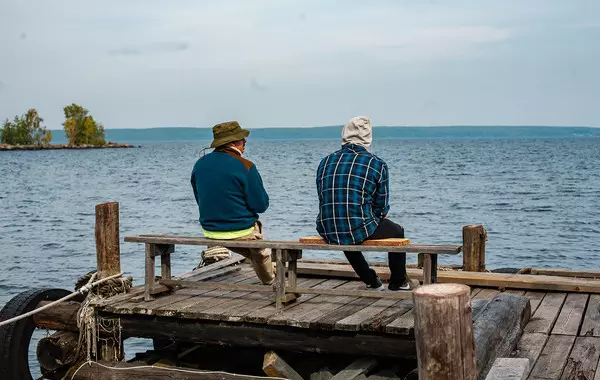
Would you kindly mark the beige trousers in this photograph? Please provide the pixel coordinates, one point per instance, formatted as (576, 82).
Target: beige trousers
(260, 258)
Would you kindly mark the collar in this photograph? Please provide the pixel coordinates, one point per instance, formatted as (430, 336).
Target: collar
(354, 147)
(230, 149)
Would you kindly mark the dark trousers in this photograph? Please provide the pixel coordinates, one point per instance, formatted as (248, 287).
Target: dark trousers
(396, 261)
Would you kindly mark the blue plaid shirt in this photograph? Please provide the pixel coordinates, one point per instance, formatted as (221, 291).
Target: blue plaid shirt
(353, 189)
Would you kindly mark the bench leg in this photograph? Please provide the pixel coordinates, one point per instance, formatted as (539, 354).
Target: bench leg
(165, 251)
(429, 269)
(279, 280)
(150, 263)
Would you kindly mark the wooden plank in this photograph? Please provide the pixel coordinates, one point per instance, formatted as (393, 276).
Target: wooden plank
(535, 298)
(235, 300)
(571, 314)
(495, 280)
(530, 346)
(515, 291)
(486, 294)
(146, 307)
(566, 272)
(356, 369)
(583, 359)
(475, 291)
(447, 249)
(403, 325)
(544, 317)
(391, 242)
(329, 320)
(317, 308)
(233, 260)
(322, 374)
(275, 366)
(366, 316)
(553, 358)
(591, 321)
(239, 313)
(509, 369)
(264, 314)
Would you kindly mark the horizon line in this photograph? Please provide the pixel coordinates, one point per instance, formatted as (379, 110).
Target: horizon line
(375, 126)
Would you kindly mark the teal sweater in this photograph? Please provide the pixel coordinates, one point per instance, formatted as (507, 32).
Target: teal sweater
(228, 190)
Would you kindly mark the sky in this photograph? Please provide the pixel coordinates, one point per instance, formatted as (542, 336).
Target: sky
(268, 63)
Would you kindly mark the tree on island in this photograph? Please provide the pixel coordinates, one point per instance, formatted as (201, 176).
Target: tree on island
(81, 128)
(25, 130)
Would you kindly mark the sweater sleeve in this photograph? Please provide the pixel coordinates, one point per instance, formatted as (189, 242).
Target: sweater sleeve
(256, 195)
(193, 181)
(381, 198)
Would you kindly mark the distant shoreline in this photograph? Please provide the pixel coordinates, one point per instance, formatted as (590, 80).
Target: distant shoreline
(6, 147)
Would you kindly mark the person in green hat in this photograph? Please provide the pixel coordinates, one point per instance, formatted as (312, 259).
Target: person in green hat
(230, 194)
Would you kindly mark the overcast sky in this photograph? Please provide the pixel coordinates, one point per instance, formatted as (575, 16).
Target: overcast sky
(146, 63)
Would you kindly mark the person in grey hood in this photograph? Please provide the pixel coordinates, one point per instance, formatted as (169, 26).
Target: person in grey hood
(353, 190)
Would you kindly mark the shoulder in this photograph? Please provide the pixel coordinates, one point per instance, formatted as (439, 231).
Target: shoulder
(233, 158)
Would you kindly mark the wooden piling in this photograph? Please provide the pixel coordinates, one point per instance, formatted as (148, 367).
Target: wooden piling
(108, 261)
(474, 237)
(444, 332)
(108, 253)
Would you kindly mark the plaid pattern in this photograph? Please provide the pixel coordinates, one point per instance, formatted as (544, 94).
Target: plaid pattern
(353, 189)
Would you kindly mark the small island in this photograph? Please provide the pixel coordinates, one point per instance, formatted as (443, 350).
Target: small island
(26, 132)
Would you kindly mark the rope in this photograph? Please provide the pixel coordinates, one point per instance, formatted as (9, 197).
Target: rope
(173, 370)
(82, 290)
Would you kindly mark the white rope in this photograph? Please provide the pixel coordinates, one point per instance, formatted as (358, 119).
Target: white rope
(82, 290)
(173, 370)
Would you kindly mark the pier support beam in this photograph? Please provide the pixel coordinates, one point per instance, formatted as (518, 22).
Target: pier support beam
(108, 258)
(444, 332)
(474, 237)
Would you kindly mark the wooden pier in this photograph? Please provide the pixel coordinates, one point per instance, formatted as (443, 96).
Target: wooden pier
(504, 327)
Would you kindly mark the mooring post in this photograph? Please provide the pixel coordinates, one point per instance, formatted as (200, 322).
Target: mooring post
(444, 332)
(474, 237)
(108, 258)
(108, 252)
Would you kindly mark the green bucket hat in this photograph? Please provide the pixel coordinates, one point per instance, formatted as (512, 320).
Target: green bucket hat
(228, 132)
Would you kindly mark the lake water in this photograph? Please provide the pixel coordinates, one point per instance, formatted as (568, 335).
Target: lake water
(538, 198)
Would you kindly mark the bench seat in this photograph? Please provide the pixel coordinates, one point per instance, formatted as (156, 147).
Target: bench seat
(286, 255)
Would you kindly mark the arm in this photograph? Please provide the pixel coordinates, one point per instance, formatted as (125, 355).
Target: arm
(193, 181)
(256, 195)
(381, 204)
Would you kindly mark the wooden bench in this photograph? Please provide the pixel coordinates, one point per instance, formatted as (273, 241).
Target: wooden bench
(286, 255)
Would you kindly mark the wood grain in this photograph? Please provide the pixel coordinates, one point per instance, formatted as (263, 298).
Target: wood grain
(553, 358)
(391, 242)
(571, 315)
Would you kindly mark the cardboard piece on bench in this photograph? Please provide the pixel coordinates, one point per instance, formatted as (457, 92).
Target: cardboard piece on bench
(392, 242)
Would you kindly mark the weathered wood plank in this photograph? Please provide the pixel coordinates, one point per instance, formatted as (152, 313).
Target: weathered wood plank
(553, 358)
(355, 369)
(535, 298)
(495, 280)
(530, 346)
(263, 315)
(591, 321)
(354, 321)
(509, 369)
(233, 260)
(314, 309)
(544, 317)
(274, 366)
(515, 291)
(329, 320)
(450, 249)
(571, 315)
(281, 338)
(486, 294)
(239, 314)
(403, 325)
(583, 360)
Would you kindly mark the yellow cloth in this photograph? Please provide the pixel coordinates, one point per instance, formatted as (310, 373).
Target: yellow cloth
(227, 235)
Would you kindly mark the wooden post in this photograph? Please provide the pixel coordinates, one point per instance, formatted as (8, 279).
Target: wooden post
(108, 252)
(474, 237)
(108, 261)
(444, 332)
(279, 280)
